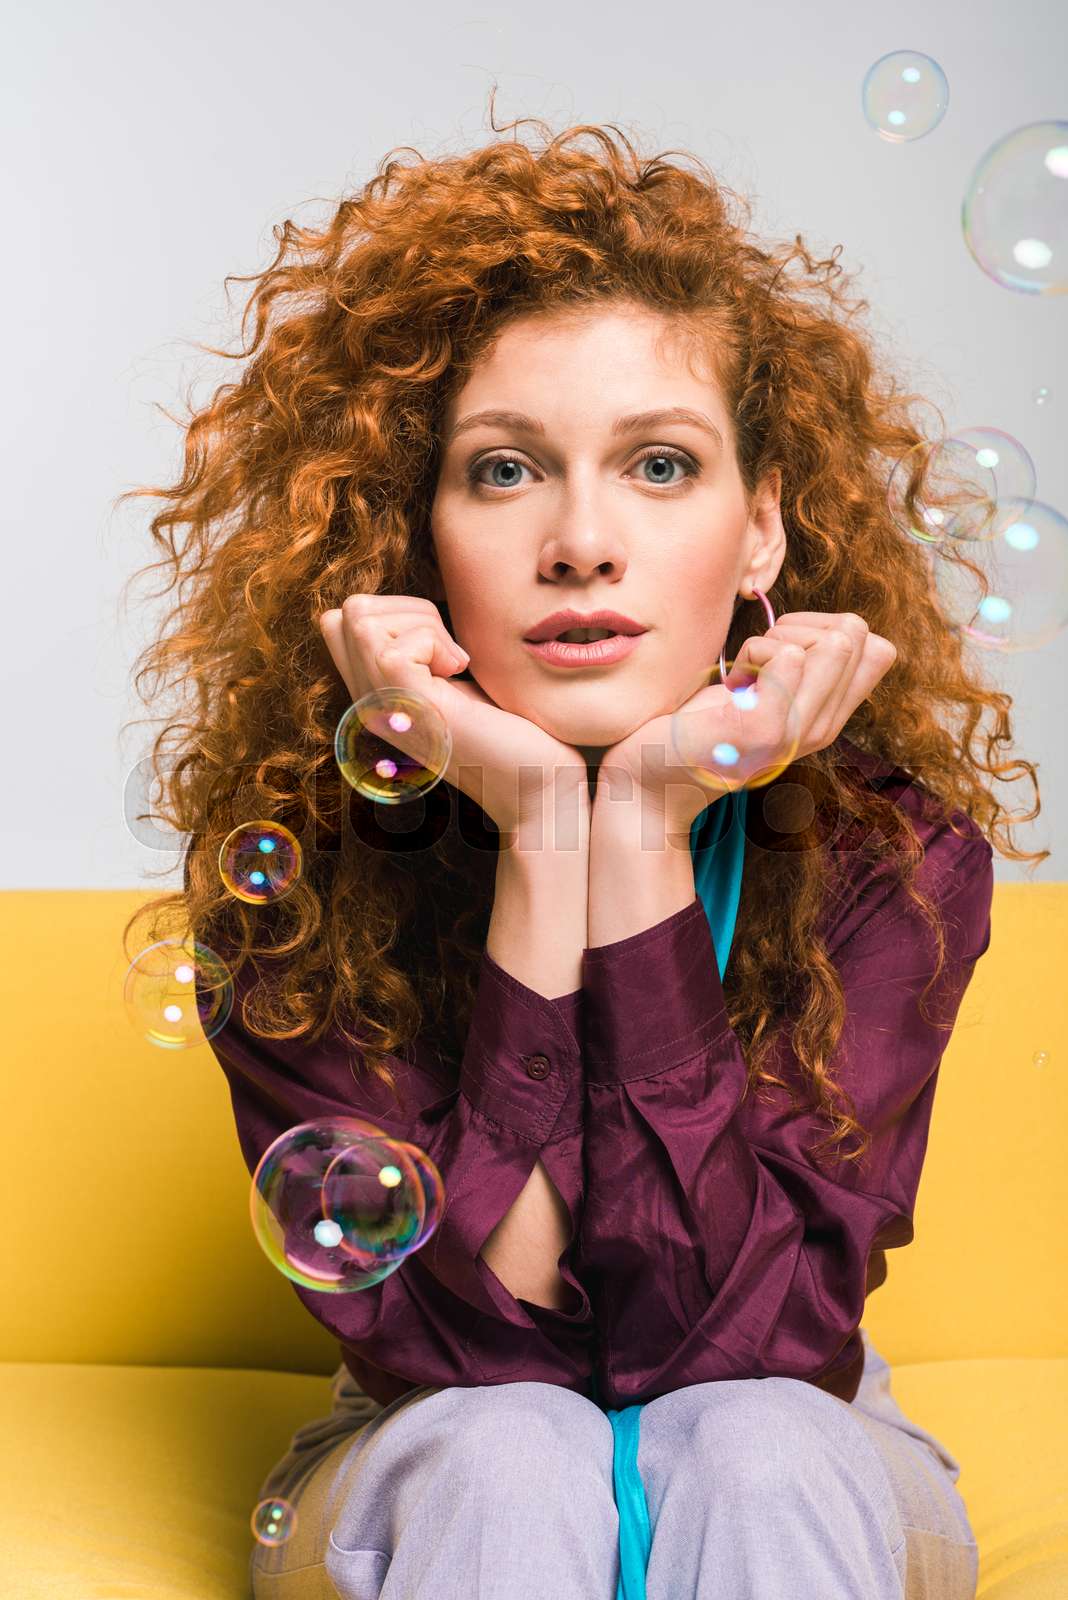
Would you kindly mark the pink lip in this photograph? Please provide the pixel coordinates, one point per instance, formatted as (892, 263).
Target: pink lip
(596, 653)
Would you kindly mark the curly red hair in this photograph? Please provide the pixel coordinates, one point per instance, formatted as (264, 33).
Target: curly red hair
(312, 476)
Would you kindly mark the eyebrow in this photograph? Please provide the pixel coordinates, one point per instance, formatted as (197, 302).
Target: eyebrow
(633, 422)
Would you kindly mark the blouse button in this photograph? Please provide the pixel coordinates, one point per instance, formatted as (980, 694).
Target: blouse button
(537, 1067)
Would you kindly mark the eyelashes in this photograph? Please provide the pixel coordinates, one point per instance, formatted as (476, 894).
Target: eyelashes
(680, 457)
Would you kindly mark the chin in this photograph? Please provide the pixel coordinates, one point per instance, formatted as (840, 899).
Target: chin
(595, 724)
(591, 733)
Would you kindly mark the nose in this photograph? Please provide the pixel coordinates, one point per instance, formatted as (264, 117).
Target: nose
(582, 550)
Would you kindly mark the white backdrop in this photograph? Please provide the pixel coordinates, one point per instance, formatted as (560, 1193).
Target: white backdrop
(150, 150)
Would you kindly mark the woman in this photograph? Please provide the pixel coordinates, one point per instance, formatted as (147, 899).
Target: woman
(524, 971)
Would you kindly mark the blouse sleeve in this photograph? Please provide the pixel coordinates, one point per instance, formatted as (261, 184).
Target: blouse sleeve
(712, 1244)
(443, 1316)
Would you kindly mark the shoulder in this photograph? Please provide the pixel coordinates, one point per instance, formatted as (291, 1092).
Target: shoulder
(956, 869)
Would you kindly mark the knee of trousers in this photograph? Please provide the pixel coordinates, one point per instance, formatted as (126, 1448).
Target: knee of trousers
(528, 1435)
(776, 1433)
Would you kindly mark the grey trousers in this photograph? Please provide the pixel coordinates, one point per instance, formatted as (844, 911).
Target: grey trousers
(758, 1489)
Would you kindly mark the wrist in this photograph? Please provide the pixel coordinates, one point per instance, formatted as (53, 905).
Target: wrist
(643, 818)
(557, 823)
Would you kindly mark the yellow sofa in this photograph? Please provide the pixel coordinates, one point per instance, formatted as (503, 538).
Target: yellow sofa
(154, 1364)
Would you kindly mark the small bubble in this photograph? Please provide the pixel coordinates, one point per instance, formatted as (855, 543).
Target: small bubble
(260, 862)
(178, 993)
(274, 1521)
(1040, 1058)
(904, 95)
(1040, 396)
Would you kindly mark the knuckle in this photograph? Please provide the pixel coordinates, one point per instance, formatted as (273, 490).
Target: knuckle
(841, 640)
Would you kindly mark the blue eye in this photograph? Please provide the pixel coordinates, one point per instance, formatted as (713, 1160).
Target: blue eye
(653, 452)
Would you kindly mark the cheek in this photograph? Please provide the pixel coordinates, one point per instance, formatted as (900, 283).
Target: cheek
(485, 618)
(697, 628)
(704, 605)
(456, 578)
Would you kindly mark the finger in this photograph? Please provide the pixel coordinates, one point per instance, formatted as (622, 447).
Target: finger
(878, 657)
(795, 633)
(362, 601)
(378, 607)
(777, 665)
(409, 657)
(373, 626)
(332, 629)
(810, 677)
(360, 604)
(846, 620)
(356, 647)
(812, 638)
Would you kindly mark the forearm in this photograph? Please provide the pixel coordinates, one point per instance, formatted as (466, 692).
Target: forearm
(537, 933)
(640, 872)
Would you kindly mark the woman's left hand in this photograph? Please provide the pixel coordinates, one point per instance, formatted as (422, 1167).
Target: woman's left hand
(825, 664)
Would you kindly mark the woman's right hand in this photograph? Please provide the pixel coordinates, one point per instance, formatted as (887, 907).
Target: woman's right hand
(507, 764)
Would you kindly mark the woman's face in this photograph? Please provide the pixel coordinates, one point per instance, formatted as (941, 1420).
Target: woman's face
(526, 522)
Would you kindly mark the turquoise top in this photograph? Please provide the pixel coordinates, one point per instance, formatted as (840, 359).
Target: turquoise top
(718, 879)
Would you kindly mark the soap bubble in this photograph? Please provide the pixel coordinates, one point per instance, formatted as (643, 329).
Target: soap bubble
(178, 993)
(392, 745)
(1041, 395)
(260, 861)
(337, 1205)
(1019, 600)
(966, 479)
(1015, 210)
(739, 734)
(904, 95)
(926, 521)
(274, 1521)
(1040, 1058)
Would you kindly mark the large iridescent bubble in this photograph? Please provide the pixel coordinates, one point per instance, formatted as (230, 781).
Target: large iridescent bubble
(392, 744)
(1015, 210)
(337, 1205)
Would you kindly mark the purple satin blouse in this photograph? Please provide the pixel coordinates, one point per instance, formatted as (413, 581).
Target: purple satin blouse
(705, 1243)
